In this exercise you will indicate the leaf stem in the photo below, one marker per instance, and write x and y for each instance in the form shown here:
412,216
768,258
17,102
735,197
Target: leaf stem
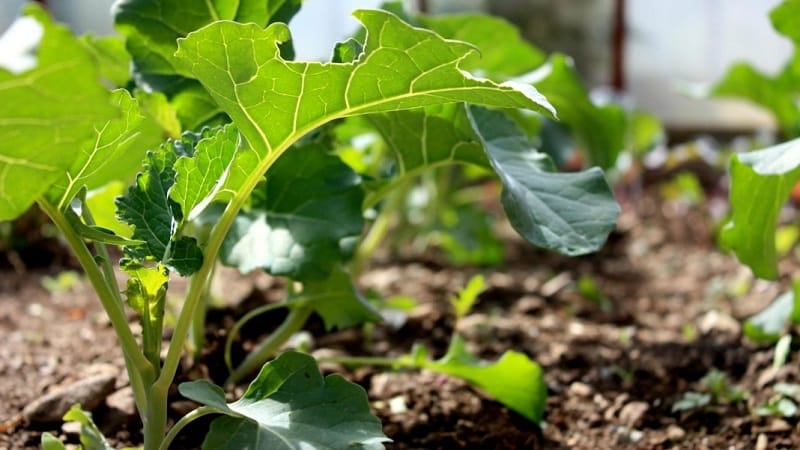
294,322
240,323
183,422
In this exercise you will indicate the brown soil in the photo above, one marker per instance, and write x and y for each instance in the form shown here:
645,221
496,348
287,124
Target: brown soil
614,368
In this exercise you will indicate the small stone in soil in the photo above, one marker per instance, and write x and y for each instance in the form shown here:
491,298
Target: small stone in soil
89,393
675,433
631,414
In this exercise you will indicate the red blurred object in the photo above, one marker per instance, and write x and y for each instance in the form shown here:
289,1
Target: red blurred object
796,194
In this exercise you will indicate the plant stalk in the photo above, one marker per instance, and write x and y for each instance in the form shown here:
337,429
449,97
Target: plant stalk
293,323
138,367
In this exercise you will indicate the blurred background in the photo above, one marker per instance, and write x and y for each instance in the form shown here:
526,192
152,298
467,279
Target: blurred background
655,53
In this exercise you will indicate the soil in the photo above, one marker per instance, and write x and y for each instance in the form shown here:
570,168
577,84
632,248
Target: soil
670,312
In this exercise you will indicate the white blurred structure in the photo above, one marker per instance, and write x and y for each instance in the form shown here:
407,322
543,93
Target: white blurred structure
676,42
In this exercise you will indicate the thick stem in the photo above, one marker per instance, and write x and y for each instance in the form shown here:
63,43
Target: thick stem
137,365
380,228
293,323
155,420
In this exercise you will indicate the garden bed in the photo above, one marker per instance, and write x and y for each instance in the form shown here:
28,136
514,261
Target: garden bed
670,313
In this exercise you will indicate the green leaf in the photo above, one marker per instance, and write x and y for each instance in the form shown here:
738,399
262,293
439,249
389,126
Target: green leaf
572,213
91,437
786,19
308,221
600,130
146,292
462,304
47,113
111,155
50,442
514,380
767,326
274,102
503,52
152,27
692,400
761,182
198,178
338,301
422,139
104,211
776,94
111,57
157,218
290,406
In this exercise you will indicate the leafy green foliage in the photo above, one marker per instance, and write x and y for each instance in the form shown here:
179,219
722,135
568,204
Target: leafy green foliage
784,403
338,301
46,112
768,325
146,293
503,52
155,217
90,436
303,220
420,69
462,304
116,152
514,380
600,130
572,213
290,406
775,93
761,182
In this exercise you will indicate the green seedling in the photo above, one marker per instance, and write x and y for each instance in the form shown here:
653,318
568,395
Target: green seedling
784,403
715,390
513,380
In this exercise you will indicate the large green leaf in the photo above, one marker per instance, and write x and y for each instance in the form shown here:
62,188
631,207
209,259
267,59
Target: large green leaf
152,27
111,155
274,101
572,213
46,115
761,182
424,138
600,130
290,406
304,220
503,52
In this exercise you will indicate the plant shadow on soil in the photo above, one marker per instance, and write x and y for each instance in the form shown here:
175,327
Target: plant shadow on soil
613,370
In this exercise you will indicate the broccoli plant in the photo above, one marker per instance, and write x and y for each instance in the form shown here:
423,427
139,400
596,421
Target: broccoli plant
246,176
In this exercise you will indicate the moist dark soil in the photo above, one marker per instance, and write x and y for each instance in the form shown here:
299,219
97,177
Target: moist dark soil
670,312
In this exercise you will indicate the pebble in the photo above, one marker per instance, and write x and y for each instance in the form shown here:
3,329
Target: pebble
675,433
580,389
89,392
123,401
631,414
762,442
